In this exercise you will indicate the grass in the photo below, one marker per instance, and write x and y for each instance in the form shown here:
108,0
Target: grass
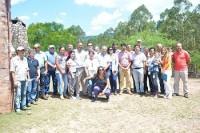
123,113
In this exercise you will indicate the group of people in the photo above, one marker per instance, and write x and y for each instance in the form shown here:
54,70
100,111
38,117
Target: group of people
97,71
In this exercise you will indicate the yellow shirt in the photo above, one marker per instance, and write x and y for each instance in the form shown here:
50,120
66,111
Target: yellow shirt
166,63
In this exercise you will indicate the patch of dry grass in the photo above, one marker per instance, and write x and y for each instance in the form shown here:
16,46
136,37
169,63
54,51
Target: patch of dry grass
124,113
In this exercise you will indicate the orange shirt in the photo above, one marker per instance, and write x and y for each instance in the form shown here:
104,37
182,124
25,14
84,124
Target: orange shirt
166,63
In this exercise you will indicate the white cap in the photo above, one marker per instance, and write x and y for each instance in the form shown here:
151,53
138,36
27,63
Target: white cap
51,46
139,40
20,48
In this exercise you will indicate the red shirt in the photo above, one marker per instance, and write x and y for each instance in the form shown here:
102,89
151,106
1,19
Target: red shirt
180,60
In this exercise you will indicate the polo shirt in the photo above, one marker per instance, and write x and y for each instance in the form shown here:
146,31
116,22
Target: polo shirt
180,60
51,58
33,64
41,57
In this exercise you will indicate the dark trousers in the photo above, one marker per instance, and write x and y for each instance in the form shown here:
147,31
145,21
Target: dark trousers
145,82
162,89
51,74
154,78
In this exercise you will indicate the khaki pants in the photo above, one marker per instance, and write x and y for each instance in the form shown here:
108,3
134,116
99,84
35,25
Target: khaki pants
183,75
124,74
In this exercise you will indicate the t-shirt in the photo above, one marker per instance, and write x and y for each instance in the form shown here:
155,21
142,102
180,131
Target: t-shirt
166,61
73,65
180,60
62,62
100,82
33,64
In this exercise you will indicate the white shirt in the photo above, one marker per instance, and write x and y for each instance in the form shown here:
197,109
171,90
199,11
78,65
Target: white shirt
92,66
138,60
104,60
19,67
80,58
73,65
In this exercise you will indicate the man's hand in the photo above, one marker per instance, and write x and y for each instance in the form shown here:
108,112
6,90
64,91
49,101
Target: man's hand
15,84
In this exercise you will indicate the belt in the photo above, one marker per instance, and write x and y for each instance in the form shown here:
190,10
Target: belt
138,68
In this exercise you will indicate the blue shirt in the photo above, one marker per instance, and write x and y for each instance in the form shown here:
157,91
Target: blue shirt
51,58
33,64
41,57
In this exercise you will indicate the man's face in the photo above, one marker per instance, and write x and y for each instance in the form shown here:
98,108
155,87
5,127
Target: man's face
80,46
32,54
104,50
139,43
37,49
70,47
178,47
137,48
123,48
52,49
20,52
89,46
129,47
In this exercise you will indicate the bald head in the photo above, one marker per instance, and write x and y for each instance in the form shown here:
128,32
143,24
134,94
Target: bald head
178,47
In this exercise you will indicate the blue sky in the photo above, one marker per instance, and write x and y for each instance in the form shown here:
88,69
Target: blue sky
94,16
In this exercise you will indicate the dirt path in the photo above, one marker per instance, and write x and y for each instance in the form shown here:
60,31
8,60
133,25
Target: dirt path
124,113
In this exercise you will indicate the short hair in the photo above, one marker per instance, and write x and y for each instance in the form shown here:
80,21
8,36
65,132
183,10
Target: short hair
123,44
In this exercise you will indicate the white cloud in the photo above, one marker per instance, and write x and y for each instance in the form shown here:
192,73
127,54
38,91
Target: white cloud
24,18
14,2
62,13
35,14
59,21
105,18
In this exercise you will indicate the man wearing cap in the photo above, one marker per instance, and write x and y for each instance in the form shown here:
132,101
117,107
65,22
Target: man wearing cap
124,68
51,64
42,59
20,74
139,43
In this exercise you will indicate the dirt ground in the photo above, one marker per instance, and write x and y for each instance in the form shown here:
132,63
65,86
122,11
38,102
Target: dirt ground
124,113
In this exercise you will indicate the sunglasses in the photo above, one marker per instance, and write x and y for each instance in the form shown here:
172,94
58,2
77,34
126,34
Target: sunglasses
110,49
101,69
36,47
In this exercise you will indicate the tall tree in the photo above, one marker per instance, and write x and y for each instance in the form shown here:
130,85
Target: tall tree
76,31
141,20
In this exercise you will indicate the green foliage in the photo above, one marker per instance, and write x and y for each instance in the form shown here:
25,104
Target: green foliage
77,31
150,39
195,58
49,33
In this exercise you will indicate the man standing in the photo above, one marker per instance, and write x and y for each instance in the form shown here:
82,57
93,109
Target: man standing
103,58
139,43
51,63
69,48
20,74
42,59
181,59
34,72
124,68
138,65
80,57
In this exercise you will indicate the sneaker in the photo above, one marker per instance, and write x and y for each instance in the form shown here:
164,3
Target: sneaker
115,93
47,95
65,96
28,104
18,112
78,97
73,98
34,103
130,93
169,97
165,96
155,96
175,94
61,97
186,95
120,93
44,97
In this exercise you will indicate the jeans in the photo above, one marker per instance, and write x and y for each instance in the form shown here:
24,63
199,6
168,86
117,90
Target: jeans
61,78
138,75
89,87
32,90
154,78
20,95
54,79
43,83
162,89
97,90
168,89
113,81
